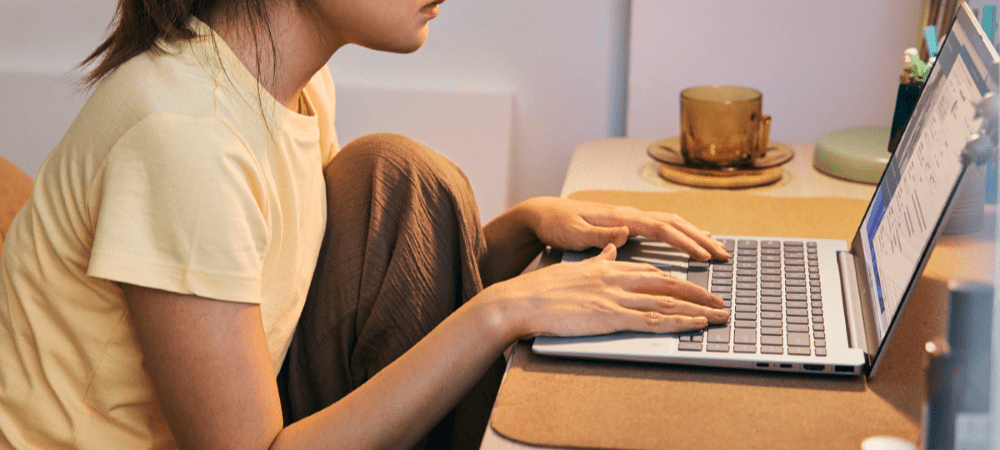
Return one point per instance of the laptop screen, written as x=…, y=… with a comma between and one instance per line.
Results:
x=921, y=177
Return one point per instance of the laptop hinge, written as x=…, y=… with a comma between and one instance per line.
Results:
x=852, y=301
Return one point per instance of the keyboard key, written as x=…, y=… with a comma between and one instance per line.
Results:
x=746, y=309
x=798, y=329
x=820, y=352
x=740, y=315
x=819, y=335
x=744, y=348
x=799, y=351
x=689, y=346
x=796, y=305
x=719, y=333
x=771, y=340
x=746, y=300
x=770, y=271
x=817, y=319
x=698, y=276
x=746, y=293
x=770, y=285
x=771, y=331
x=752, y=324
x=817, y=311
x=798, y=339
x=772, y=300
x=745, y=336
x=749, y=286
x=770, y=306
x=791, y=312
x=771, y=292
x=771, y=315
x=820, y=343
x=718, y=347
x=771, y=323
x=797, y=320
x=772, y=349
x=818, y=327
x=797, y=297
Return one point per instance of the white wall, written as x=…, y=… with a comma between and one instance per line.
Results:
x=822, y=65
x=554, y=58
x=563, y=60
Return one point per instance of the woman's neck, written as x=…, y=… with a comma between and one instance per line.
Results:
x=284, y=61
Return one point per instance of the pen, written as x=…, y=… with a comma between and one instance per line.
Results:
x=990, y=21
x=930, y=34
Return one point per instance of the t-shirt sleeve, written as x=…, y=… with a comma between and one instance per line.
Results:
x=324, y=97
x=181, y=209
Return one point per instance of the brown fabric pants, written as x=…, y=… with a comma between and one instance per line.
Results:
x=401, y=252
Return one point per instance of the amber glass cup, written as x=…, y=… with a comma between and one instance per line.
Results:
x=723, y=126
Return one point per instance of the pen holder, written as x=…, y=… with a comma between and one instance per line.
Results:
x=906, y=100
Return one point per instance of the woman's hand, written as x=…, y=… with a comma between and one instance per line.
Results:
x=577, y=225
x=600, y=296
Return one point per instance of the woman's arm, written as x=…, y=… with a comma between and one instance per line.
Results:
x=209, y=364
x=516, y=237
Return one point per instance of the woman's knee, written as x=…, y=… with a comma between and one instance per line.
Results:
x=397, y=152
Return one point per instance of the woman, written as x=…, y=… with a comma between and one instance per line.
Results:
x=199, y=206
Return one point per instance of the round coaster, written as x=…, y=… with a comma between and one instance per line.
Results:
x=720, y=179
x=668, y=151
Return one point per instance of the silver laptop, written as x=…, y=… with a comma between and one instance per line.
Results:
x=819, y=305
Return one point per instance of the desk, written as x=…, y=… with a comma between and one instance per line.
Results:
x=889, y=407
x=621, y=164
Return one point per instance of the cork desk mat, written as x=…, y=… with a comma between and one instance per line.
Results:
x=591, y=404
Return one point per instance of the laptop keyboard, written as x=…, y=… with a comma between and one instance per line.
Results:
x=772, y=291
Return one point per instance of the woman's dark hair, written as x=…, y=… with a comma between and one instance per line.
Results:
x=138, y=24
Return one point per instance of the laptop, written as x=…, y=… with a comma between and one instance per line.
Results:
x=819, y=305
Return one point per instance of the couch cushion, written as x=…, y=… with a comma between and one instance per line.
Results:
x=15, y=188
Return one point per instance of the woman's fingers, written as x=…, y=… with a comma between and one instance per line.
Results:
x=646, y=278
x=670, y=306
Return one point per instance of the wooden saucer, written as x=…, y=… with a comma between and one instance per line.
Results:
x=720, y=179
x=673, y=167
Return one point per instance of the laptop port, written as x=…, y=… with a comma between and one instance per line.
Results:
x=763, y=364
x=843, y=369
x=786, y=366
x=816, y=367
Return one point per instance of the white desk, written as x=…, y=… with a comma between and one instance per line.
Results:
x=622, y=164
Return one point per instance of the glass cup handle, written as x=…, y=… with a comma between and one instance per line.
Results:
x=765, y=135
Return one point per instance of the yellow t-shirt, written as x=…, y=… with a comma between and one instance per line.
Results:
x=169, y=179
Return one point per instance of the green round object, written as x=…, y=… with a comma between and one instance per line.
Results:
x=856, y=154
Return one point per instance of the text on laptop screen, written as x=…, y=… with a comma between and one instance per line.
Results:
x=921, y=175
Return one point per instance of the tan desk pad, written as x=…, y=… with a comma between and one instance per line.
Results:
x=589, y=404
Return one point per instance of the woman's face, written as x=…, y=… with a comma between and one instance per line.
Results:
x=389, y=25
